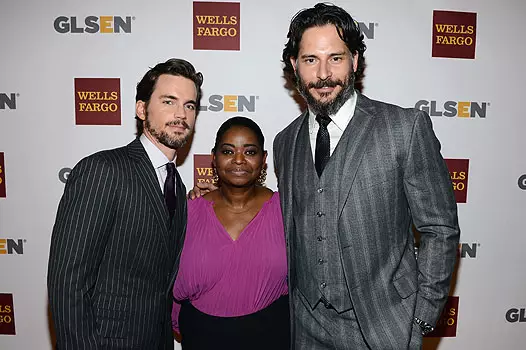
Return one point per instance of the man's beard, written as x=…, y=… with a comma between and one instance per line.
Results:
x=173, y=142
x=329, y=107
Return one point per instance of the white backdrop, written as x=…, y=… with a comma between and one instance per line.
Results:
x=39, y=137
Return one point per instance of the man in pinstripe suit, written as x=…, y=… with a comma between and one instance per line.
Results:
x=348, y=213
x=121, y=223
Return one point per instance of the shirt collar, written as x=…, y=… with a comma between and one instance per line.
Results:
x=343, y=116
x=156, y=156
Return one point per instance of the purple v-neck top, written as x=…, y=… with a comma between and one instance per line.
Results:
x=225, y=277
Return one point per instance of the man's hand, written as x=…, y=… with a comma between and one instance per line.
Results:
x=200, y=189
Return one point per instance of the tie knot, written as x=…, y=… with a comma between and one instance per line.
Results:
x=323, y=119
x=170, y=168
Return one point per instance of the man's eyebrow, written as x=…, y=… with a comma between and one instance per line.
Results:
x=169, y=96
x=309, y=56
x=341, y=53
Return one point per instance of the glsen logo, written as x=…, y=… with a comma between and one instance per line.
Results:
x=468, y=250
x=2, y=176
x=367, y=29
x=12, y=246
x=63, y=174
x=93, y=24
x=7, y=314
x=202, y=168
x=216, y=26
x=458, y=171
x=522, y=182
x=8, y=100
x=447, y=323
x=516, y=315
x=97, y=101
x=454, y=34
x=461, y=109
x=230, y=103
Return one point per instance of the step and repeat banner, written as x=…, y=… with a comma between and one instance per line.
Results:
x=68, y=71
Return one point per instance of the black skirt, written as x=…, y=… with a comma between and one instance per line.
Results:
x=267, y=329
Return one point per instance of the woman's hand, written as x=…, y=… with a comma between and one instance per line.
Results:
x=200, y=189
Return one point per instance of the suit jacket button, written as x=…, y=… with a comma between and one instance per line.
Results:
x=323, y=285
x=320, y=214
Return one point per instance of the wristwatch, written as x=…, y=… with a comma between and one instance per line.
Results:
x=425, y=327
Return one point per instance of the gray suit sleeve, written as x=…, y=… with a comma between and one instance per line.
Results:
x=434, y=212
x=82, y=225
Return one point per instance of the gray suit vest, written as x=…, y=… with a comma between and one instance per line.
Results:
x=317, y=257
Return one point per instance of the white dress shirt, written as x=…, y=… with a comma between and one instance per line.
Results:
x=158, y=160
x=336, y=127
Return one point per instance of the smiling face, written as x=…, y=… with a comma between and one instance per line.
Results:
x=324, y=69
x=169, y=115
x=239, y=157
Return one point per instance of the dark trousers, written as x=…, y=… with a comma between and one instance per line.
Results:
x=266, y=329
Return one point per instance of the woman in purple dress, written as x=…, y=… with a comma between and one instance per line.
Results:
x=231, y=290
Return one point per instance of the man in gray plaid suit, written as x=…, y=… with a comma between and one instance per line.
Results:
x=354, y=176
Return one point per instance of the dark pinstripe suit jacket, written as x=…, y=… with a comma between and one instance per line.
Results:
x=115, y=254
x=393, y=176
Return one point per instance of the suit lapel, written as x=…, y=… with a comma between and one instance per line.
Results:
x=178, y=227
x=289, y=174
x=148, y=179
x=359, y=131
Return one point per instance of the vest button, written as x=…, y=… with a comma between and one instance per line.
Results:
x=320, y=214
x=323, y=285
x=319, y=238
x=320, y=190
x=320, y=261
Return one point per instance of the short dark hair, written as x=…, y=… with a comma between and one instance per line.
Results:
x=174, y=66
x=319, y=15
x=241, y=122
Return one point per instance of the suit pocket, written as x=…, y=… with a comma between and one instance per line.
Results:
x=406, y=285
x=112, y=316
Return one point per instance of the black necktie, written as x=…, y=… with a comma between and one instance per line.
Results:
x=323, y=144
x=169, y=188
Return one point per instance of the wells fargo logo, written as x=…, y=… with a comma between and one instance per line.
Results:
x=97, y=101
x=93, y=24
x=203, y=168
x=2, y=176
x=460, y=109
x=7, y=314
x=216, y=26
x=230, y=103
x=458, y=170
x=447, y=323
x=454, y=34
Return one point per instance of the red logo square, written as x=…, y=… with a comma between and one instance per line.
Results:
x=97, y=101
x=202, y=168
x=459, y=171
x=454, y=34
x=447, y=323
x=216, y=26
x=7, y=314
x=2, y=176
